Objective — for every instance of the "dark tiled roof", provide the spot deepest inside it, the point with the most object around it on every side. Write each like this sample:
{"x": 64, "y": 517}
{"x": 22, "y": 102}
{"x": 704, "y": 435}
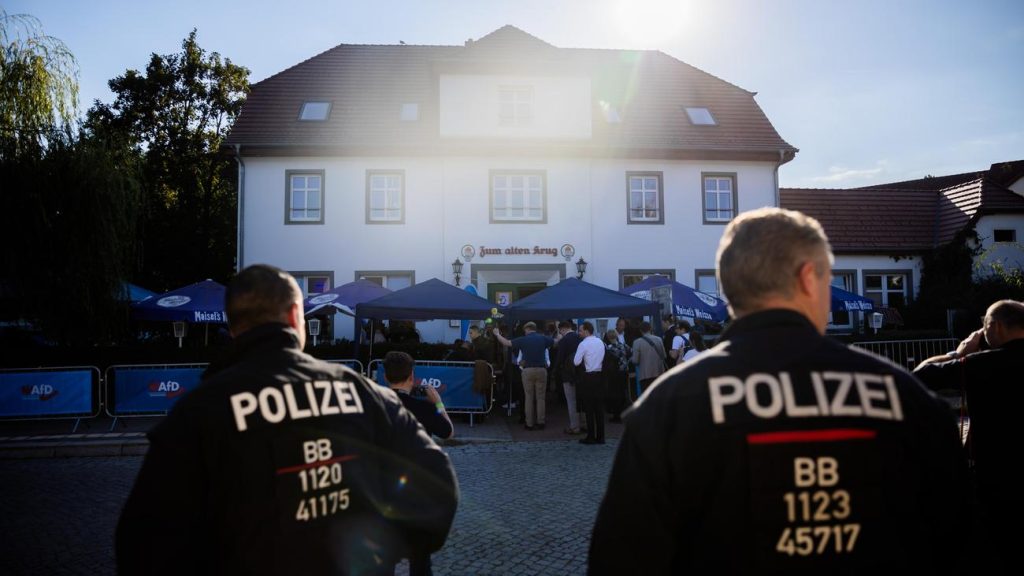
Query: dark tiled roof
{"x": 900, "y": 220}
{"x": 367, "y": 85}
{"x": 1002, "y": 174}
{"x": 869, "y": 221}
{"x": 963, "y": 204}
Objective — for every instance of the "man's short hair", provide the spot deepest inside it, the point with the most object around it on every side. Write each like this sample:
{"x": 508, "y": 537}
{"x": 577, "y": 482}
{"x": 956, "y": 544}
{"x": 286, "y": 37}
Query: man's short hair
{"x": 530, "y": 326}
{"x": 397, "y": 366}
{"x": 565, "y": 324}
{"x": 683, "y": 325}
{"x": 259, "y": 294}
{"x": 761, "y": 252}
{"x": 474, "y": 328}
{"x": 645, "y": 327}
{"x": 588, "y": 327}
{"x": 1009, "y": 313}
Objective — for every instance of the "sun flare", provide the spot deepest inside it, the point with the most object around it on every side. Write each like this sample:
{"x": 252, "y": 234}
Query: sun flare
{"x": 651, "y": 23}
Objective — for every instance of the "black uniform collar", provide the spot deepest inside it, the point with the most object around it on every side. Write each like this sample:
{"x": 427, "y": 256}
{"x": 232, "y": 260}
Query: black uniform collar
{"x": 774, "y": 318}
{"x": 265, "y": 337}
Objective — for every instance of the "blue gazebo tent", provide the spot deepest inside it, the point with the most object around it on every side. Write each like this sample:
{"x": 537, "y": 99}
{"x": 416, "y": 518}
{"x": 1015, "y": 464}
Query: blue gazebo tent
{"x": 430, "y": 300}
{"x": 344, "y": 298}
{"x": 573, "y": 298}
{"x": 202, "y": 302}
{"x": 685, "y": 300}
{"x": 844, "y": 301}
{"x": 133, "y": 293}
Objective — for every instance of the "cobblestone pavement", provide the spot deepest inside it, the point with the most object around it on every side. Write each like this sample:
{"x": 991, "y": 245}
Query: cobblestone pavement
{"x": 527, "y": 508}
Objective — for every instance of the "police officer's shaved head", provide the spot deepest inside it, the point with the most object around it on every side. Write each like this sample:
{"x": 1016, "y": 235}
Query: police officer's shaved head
{"x": 260, "y": 294}
{"x": 761, "y": 252}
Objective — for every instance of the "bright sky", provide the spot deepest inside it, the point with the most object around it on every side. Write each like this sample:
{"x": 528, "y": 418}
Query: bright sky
{"x": 870, "y": 91}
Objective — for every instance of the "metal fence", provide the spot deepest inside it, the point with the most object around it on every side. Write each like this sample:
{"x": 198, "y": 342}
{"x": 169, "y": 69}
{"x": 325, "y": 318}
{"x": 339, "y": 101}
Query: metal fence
{"x": 909, "y": 353}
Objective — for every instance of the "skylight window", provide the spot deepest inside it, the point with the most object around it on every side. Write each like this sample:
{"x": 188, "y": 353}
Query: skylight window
{"x": 315, "y": 111}
{"x": 410, "y": 112}
{"x": 700, "y": 116}
{"x": 611, "y": 113}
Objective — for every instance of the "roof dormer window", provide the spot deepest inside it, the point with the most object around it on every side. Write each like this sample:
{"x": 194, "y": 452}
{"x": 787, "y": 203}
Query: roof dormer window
{"x": 515, "y": 105}
{"x": 315, "y": 111}
{"x": 700, "y": 116}
{"x": 610, "y": 111}
{"x": 410, "y": 112}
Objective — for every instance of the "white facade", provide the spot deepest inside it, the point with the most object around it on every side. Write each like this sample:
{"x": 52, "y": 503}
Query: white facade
{"x": 448, "y": 206}
{"x": 550, "y": 107}
{"x": 1008, "y": 253}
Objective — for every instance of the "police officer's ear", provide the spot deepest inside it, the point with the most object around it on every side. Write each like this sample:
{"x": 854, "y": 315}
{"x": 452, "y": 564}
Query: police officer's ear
{"x": 297, "y": 321}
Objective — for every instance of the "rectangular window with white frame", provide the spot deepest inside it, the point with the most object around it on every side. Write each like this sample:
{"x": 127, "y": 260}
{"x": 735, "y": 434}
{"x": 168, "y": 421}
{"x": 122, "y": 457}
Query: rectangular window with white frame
{"x": 706, "y": 282}
{"x": 515, "y": 105}
{"x": 888, "y": 289}
{"x": 719, "y": 197}
{"x": 629, "y": 277}
{"x": 313, "y": 282}
{"x": 304, "y": 197}
{"x": 645, "y": 198}
{"x": 518, "y": 196}
{"x": 385, "y": 197}
{"x": 390, "y": 279}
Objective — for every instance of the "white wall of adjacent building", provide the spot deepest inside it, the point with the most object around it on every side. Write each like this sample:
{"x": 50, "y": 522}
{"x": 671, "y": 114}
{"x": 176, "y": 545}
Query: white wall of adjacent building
{"x": 1006, "y": 254}
{"x": 448, "y": 206}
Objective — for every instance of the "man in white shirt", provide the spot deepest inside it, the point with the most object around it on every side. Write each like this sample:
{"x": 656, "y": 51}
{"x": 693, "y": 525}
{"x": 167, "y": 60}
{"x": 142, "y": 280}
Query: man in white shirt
{"x": 590, "y": 354}
{"x": 620, "y": 330}
{"x": 681, "y": 342}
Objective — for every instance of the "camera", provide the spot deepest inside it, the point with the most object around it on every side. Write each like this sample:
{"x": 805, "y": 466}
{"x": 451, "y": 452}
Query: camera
{"x": 419, "y": 390}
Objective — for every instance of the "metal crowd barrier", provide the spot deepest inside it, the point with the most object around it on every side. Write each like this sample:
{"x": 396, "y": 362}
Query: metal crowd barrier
{"x": 351, "y": 363}
{"x": 458, "y": 395}
{"x": 139, "y": 390}
{"x": 50, "y": 393}
{"x": 909, "y": 353}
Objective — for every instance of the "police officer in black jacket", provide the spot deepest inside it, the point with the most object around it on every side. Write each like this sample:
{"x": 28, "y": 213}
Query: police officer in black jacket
{"x": 781, "y": 451}
{"x": 282, "y": 464}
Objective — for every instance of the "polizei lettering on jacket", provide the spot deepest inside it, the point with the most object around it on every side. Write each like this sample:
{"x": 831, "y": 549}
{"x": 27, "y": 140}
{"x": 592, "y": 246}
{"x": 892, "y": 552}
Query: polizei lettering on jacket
{"x": 312, "y": 399}
{"x": 834, "y": 394}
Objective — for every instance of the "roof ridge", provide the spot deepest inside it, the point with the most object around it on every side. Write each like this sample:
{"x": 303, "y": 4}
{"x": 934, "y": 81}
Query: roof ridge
{"x": 348, "y": 45}
{"x": 667, "y": 55}
{"x": 507, "y": 28}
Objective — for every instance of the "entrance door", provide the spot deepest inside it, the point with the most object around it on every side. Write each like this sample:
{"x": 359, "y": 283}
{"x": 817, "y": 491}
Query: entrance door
{"x": 505, "y": 294}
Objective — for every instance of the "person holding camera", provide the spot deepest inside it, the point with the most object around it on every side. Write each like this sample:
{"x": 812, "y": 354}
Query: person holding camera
{"x": 422, "y": 400}
{"x": 425, "y": 404}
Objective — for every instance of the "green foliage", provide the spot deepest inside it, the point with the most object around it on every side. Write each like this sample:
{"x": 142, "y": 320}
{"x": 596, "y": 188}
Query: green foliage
{"x": 38, "y": 85}
{"x": 946, "y": 281}
{"x": 175, "y": 116}
{"x": 68, "y": 230}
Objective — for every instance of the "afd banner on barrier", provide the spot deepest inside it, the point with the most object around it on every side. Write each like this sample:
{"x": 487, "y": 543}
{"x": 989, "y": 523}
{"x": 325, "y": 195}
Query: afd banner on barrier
{"x": 46, "y": 393}
{"x": 151, "y": 389}
{"x": 453, "y": 383}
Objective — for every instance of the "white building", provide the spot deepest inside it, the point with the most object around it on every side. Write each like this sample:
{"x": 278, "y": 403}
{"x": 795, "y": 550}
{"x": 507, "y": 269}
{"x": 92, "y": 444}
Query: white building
{"x": 516, "y": 157}
{"x": 879, "y": 233}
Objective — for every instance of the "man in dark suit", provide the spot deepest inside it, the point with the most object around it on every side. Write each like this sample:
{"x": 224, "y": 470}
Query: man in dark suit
{"x": 567, "y": 373}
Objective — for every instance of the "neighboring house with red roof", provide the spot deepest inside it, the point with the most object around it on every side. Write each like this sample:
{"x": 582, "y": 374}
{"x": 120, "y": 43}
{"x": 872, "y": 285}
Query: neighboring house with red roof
{"x": 514, "y": 156}
{"x": 878, "y": 233}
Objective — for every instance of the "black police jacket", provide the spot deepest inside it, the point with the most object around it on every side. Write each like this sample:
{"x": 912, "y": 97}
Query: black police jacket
{"x": 780, "y": 451}
{"x": 282, "y": 464}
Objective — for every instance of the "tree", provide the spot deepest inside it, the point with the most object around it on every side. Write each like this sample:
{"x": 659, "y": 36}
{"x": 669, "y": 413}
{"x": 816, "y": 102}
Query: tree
{"x": 69, "y": 203}
{"x": 175, "y": 116}
{"x": 38, "y": 85}
{"x": 69, "y": 237}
